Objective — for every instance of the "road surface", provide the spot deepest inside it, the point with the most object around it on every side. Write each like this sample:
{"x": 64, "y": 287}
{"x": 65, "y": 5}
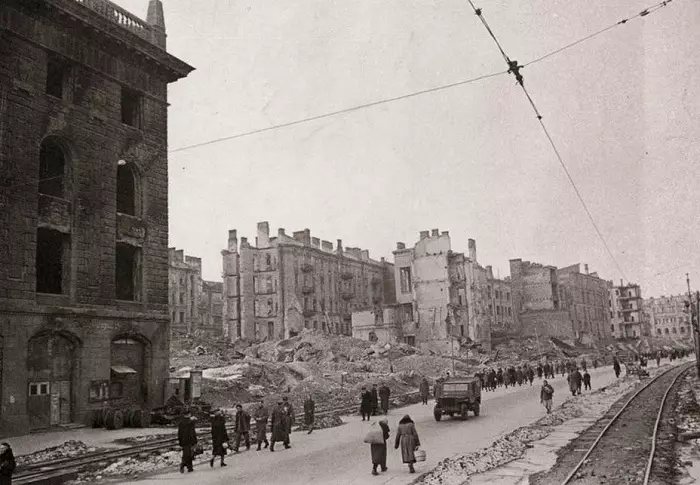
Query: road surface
{"x": 338, "y": 455}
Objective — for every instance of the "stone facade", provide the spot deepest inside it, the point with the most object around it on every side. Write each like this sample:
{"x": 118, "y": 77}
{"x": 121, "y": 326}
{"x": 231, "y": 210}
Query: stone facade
{"x": 195, "y": 304}
{"x": 501, "y": 303}
{"x": 585, "y": 297}
{"x": 284, "y": 284}
{"x": 626, "y": 311}
{"x": 669, "y": 317}
{"x": 84, "y": 210}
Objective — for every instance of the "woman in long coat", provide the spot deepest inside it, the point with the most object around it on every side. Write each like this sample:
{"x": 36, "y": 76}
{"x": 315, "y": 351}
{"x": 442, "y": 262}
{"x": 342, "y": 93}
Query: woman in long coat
{"x": 279, "y": 427}
{"x": 379, "y": 450}
{"x": 219, "y": 436}
{"x": 7, "y": 464}
{"x": 407, "y": 438}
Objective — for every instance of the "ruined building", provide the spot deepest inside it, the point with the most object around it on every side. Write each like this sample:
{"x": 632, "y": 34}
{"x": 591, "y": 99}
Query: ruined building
{"x": 196, "y": 305}
{"x": 501, "y": 302}
{"x": 669, "y": 317}
{"x": 83, "y": 210}
{"x": 626, "y": 311}
{"x": 563, "y": 303}
{"x": 442, "y": 298}
{"x": 284, "y": 284}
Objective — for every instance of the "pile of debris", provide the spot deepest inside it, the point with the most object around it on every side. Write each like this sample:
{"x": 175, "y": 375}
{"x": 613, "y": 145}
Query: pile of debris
{"x": 69, "y": 449}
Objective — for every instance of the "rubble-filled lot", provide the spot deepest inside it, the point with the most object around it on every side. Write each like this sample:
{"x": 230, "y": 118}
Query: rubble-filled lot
{"x": 69, "y": 449}
{"x": 687, "y": 420}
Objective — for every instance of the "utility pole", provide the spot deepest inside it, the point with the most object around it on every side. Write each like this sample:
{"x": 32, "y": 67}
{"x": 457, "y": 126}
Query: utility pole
{"x": 694, "y": 317}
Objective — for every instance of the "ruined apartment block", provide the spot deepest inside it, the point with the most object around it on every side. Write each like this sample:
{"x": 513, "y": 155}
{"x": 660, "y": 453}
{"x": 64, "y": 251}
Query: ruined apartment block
{"x": 561, "y": 303}
{"x": 441, "y": 298}
{"x": 84, "y": 194}
{"x": 626, "y": 311}
{"x": 668, "y": 317}
{"x": 196, "y": 305}
{"x": 284, "y": 284}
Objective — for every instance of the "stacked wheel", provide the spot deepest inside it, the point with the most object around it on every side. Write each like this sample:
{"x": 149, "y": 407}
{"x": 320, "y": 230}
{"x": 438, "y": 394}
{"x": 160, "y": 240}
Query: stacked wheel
{"x": 114, "y": 420}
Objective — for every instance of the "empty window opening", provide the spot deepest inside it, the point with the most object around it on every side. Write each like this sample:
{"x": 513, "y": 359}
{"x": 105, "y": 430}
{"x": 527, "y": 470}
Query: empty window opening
{"x": 127, "y": 272}
{"x": 51, "y": 249}
{"x": 51, "y": 169}
{"x": 56, "y": 76}
{"x": 405, "y": 277}
{"x": 126, "y": 190}
{"x": 131, "y": 107}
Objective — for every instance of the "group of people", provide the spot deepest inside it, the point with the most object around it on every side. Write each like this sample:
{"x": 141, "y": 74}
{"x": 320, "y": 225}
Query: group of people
{"x": 282, "y": 419}
{"x": 374, "y": 400}
{"x": 525, "y": 373}
{"x": 406, "y": 438}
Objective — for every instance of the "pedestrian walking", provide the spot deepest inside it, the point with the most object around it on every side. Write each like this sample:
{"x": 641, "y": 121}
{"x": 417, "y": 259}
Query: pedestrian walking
{"x": 7, "y": 464}
{"x": 658, "y": 359}
{"x": 289, "y": 418}
{"x": 573, "y": 385}
{"x": 616, "y": 367}
{"x": 384, "y": 393}
{"x": 530, "y": 375}
{"x": 407, "y": 438}
{"x": 579, "y": 380}
{"x": 586, "y": 381}
{"x": 241, "y": 428}
{"x": 219, "y": 438}
{"x": 261, "y": 415}
{"x": 540, "y": 370}
{"x": 378, "y": 450}
{"x": 309, "y": 410}
{"x": 279, "y": 427}
{"x": 375, "y": 399}
{"x": 187, "y": 439}
{"x": 365, "y": 403}
{"x": 546, "y": 394}
{"x": 424, "y": 391}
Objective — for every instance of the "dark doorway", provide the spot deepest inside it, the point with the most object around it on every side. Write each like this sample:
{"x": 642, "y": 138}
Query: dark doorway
{"x": 128, "y": 370}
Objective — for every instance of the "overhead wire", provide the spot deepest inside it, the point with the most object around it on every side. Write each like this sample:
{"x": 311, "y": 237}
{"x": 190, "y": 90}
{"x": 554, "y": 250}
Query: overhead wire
{"x": 514, "y": 69}
{"x": 339, "y": 112}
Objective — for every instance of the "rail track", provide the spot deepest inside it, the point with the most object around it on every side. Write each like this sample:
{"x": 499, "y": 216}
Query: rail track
{"x": 644, "y": 411}
{"x": 64, "y": 469}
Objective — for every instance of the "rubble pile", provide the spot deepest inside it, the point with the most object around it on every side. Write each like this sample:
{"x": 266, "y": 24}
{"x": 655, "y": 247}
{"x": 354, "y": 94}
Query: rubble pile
{"x": 69, "y": 449}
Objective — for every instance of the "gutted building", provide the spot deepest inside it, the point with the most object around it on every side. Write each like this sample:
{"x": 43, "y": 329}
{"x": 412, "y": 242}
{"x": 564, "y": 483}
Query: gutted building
{"x": 626, "y": 311}
{"x": 83, "y": 210}
{"x": 283, "y": 284}
{"x": 669, "y": 317}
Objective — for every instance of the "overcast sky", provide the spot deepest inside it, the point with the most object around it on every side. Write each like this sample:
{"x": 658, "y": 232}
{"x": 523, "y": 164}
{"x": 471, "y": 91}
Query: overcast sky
{"x": 623, "y": 109}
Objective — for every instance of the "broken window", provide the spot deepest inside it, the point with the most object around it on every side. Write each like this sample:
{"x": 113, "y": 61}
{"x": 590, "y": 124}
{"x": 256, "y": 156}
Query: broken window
{"x": 51, "y": 252}
{"x": 270, "y": 329}
{"x": 127, "y": 272}
{"x": 131, "y": 107}
{"x": 126, "y": 190}
{"x": 56, "y": 76}
{"x": 51, "y": 169}
{"x": 405, "y": 276}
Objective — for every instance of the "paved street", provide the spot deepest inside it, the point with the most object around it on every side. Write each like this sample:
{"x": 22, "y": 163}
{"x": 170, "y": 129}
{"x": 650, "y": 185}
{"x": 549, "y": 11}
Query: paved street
{"x": 338, "y": 455}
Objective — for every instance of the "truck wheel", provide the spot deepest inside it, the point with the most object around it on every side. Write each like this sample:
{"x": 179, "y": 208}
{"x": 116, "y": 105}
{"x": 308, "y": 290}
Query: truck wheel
{"x": 476, "y": 410}
{"x": 463, "y": 410}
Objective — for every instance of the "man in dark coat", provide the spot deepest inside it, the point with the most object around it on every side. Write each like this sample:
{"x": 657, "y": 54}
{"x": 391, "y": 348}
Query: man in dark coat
{"x": 289, "y": 417}
{"x": 616, "y": 366}
{"x": 579, "y": 380}
{"x": 279, "y": 427}
{"x": 375, "y": 399}
{"x": 8, "y": 464}
{"x": 241, "y": 428}
{"x": 586, "y": 381}
{"x": 186, "y": 438}
{"x": 424, "y": 390}
{"x": 365, "y": 404}
{"x": 539, "y": 371}
{"x": 219, "y": 436}
{"x": 530, "y": 375}
{"x": 261, "y": 415}
{"x": 309, "y": 409}
{"x": 384, "y": 393}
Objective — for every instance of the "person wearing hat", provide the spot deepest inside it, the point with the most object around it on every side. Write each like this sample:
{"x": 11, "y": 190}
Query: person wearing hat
{"x": 241, "y": 428}
{"x": 407, "y": 439}
{"x": 261, "y": 415}
{"x": 219, "y": 437}
{"x": 187, "y": 439}
{"x": 279, "y": 427}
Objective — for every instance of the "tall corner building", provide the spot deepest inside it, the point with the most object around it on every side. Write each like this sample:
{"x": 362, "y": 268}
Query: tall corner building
{"x": 84, "y": 318}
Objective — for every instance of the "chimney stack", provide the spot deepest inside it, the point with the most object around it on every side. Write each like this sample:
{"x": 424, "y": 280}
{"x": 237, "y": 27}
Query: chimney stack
{"x": 316, "y": 242}
{"x": 472, "y": 250}
{"x": 436, "y": 232}
{"x": 180, "y": 255}
{"x": 424, "y": 234}
{"x": 263, "y": 239}
{"x": 244, "y": 242}
{"x": 280, "y": 232}
{"x": 339, "y": 247}
{"x": 156, "y": 18}
{"x": 233, "y": 241}
{"x": 327, "y": 245}
{"x": 585, "y": 267}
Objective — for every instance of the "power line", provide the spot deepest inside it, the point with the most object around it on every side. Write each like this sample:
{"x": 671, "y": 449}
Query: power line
{"x": 641, "y": 14}
{"x": 339, "y": 112}
{"x": 514, "y": 69}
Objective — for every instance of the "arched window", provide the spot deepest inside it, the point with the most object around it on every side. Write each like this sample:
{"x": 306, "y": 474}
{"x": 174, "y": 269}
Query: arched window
{"x": 52, "y": 166}
{"x": 126, "y": 189}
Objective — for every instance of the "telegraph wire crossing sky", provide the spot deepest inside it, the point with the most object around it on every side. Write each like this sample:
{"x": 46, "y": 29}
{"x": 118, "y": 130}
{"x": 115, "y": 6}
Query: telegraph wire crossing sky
{"x": 357, "y": 52}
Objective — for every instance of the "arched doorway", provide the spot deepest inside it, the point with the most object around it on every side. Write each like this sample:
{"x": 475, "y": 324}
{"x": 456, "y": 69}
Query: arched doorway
{"x": 128, "y": 370}
{"x": 50, "y": 376}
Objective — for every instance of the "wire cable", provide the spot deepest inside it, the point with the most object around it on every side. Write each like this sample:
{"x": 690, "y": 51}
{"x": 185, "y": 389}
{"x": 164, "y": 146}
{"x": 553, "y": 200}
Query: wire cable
{"x": 339, "y": 112}
{"x": 514, "y": 69}
{"x": 641, "y": 14}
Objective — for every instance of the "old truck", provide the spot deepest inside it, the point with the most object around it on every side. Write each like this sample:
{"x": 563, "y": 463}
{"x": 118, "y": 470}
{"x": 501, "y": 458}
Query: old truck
{"x": 458, "y": 396}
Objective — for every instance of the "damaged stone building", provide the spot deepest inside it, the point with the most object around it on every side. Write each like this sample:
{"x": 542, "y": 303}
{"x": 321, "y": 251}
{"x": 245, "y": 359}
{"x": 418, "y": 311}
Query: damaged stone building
{"x": 84, "y": 205}
{"x": 562, "y": 303}
{"x": 283, "y": 284}
{"x": 669, "y": 317}
{"x": 442, "y": 298}
{"x": 626, "y": 311}
{"x": 196, "y": 305}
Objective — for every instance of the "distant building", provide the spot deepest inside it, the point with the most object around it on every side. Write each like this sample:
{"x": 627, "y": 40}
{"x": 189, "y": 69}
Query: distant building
{"x": 669, "y": 317}
{"x": 83, "y": 210}
{"x": 284, "y": 284}
{"x": 563, "y": 303}
{"x": 441, "y": 298}
{"x": 501, "y": 304}
{"x": 195, "y": 304}
{"x": 626, "y": 311}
